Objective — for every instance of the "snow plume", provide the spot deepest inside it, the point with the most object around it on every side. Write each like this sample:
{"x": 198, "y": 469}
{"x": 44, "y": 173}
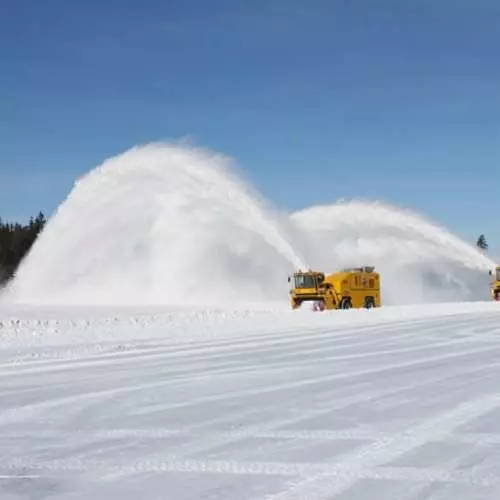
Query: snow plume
{"x": 174, "y": 224}
{"x": 418, "y": 260}
{"x": 160, "y": 224}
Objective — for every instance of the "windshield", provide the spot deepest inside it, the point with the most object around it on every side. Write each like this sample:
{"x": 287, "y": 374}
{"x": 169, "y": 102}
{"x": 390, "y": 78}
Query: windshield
{"x": 305, "y": 281}
{"x": 496, "y": 273}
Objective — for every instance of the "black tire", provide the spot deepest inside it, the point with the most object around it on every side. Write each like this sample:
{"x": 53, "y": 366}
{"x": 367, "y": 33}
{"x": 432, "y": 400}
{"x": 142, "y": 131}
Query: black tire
{"x": 369, "y": 303}
{"x": 345, "y": 303}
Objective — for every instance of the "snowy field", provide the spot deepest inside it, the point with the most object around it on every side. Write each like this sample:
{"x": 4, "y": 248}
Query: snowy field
{"x": 395, "y": 403}
{"x": 108, "y": 398}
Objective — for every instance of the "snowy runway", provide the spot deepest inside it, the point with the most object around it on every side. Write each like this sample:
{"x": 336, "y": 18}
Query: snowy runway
{"x": 269, "y": 405}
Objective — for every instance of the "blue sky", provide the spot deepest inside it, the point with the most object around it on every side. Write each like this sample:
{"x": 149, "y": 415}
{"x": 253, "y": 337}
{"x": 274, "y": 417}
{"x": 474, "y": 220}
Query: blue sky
{"x": 397, "y": 100}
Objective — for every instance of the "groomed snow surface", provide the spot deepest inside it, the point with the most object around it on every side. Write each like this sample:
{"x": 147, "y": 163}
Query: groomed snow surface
{"x": 399, "y": 403}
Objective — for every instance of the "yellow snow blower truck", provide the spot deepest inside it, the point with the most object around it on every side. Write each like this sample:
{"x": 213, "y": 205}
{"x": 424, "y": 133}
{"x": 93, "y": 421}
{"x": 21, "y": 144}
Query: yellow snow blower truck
{"x": 357, "y": 287}
{"x": 495, "y": 283}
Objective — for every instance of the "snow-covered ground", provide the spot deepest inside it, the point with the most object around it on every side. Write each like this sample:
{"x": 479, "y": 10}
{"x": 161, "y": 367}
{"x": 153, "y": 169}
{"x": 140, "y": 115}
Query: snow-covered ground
{"x": 150, "y": 403}
{"x": 107, "y": 397}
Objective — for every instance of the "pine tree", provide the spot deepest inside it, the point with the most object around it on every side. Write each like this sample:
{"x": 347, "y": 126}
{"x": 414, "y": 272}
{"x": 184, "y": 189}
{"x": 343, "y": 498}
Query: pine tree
{"x": 481, "y": 242}
{"x": 15, "y": 242}
{"x": 40, "y": 222}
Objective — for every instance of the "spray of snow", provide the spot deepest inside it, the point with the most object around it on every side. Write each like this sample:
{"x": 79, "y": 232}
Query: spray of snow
{"x": 419, "y": 261}
{"x": 174, "y": 224}
{"x": 159, "y": 224}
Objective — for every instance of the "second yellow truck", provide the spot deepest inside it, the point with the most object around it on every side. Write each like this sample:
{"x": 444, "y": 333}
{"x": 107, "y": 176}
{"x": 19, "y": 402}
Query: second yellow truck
{"x": 495, "y": 284}
{"x": 356, "y": 287}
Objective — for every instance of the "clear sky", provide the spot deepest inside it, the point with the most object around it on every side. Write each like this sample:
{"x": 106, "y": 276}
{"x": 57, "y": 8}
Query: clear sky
{"x": 397, "y": 100}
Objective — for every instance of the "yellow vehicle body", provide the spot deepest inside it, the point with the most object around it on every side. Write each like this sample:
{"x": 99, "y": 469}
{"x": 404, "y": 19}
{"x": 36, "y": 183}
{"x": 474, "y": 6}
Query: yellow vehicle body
{"x": 495, "y": 284}
{"x": 349, "y": 288}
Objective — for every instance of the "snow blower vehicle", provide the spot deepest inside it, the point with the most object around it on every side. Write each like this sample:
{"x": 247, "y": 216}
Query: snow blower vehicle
{"x": 356, "y": 287}
{"x": 495, "y": 283}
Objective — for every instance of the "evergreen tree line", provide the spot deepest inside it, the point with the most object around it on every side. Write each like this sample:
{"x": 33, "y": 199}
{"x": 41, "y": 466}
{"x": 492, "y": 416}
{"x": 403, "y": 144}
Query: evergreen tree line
{"x": 15, "y": 241}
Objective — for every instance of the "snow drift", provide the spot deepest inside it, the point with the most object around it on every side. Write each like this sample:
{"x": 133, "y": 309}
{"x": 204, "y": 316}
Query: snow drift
{"x": 174, "y": 224}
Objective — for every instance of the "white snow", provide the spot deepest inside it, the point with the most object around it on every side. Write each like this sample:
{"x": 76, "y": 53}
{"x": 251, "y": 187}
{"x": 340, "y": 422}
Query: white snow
{"x": 395, "y": 403}
{"x": 147, "y": 348}
{"x": 174, "y": 224}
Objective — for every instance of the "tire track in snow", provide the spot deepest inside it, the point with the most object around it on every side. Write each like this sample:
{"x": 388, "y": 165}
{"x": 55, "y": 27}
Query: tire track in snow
{"x": 327, "y": 471}
{"x": 357, "y": 464}
{"x": 27, "y": 411}
{"x": 202, "y": 443}
{"x": 235, "y": 368}
{"x": 285, "y": 338}
{"x": 259, "y": 432}
{"x": 286, "y": 359}
{"x": 352, "y": 338}
{"x": 217, "y": 439}
{"x": 327, "y": 393}
{"x": 311, "y": 381}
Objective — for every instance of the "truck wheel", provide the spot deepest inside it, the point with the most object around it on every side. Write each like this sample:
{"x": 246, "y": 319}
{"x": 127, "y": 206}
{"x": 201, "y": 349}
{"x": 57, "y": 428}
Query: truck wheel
{"x": 369, "y": 303}
{"x": 345, "y": 304}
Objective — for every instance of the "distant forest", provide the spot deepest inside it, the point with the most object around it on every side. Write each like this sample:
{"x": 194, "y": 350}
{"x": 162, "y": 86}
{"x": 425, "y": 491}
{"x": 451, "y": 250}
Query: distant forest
{"x": 15, "y": 241}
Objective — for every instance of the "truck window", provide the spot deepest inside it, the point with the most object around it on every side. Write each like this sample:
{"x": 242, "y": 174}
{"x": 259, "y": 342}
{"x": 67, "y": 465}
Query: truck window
{"x": 305, "y": 281}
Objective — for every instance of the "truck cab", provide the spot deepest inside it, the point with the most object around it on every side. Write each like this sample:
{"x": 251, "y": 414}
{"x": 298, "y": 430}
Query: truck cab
{"x": 305, "y": 286}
